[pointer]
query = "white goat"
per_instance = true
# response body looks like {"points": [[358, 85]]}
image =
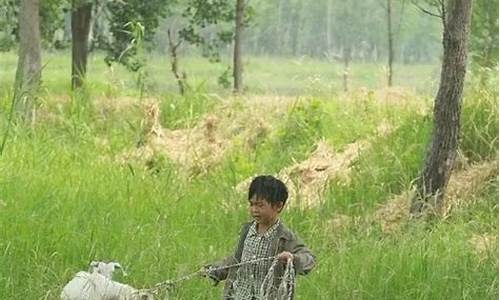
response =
{"points": [[105, 269], [98, 285]]}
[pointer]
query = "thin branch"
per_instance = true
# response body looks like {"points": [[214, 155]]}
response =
{"points": [[426, 11], [171, 42], [443, 12], [398, 31]]}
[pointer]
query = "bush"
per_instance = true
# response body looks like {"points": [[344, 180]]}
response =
{"points": [[479, 136]]}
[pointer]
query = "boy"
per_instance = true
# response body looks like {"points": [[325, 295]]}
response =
{"points": [[265, 236]]}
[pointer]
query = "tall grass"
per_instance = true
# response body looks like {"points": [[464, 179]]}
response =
{"points": [[64, 201]]}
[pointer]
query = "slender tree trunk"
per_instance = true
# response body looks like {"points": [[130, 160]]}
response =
{"points": [[347, 58], [29, 64], [94, 25], [80, 27], [329, 25], [390, 40], [237, 62], [295, 28], [174, 61], [441, 154], [278, 27]]}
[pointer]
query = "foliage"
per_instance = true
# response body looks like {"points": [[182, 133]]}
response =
{"points": [[202, 14], [479, 134], [301, 27], [224, 80], [146, 13], [51, 19], [8, 23], [484, 34]]}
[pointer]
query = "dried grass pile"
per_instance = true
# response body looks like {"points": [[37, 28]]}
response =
{"points": [[392, 96], [484, 244], [392, 214], [194, 148], [307, 180], [464, 184], [240, 121]]}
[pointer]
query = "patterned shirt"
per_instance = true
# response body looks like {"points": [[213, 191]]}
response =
{"points": [[250, 277]]}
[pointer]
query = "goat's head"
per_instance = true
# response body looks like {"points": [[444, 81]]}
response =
{"points": [[105, 269]]}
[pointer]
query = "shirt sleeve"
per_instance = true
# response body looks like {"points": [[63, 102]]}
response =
{"points": [[218, 271], [215, 272], [303, 259]]}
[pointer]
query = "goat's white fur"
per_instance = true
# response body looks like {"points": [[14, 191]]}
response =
{"points": [[105, 269], [98, 285]]}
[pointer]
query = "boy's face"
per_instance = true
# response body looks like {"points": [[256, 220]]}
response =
{"points": [[263, 212]]}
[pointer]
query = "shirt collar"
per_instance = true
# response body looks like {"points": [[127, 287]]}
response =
{"points": [[270, 231]]}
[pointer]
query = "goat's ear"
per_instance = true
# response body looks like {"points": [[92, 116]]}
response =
{"points": [[94, 264], [117, 265]]}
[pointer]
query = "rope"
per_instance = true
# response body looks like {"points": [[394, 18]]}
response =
{"points": [[285, 289]]}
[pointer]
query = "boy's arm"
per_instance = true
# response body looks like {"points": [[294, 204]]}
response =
{"points": [[303, 260], [221, 274]]}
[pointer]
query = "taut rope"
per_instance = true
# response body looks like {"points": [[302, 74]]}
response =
{"points": [[285, 289]]}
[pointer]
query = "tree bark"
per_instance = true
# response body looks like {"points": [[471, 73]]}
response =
{"points": [[80, 27], [441, 154], [329, 26], [237, 62], [295, 29], [29, 64], [347, 58], [390, 41], [174, 63]]}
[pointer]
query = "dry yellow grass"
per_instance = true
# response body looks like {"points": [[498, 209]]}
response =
{"points": [[307, 180], [339, 222], [482, 244], [198, 147], [390, 97], [463, 185], [204, 145]]}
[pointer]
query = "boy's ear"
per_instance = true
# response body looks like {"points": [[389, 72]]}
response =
{"points": [[280, 206]]}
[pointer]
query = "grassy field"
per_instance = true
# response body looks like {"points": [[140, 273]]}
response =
{"points": [[263, 75], [65, 200]]}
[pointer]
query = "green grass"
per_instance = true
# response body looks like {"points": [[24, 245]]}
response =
{"points": [[263, 75], [64, 202]]}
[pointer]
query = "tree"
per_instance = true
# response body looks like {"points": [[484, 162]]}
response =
{"points": [[351, 23], [484, 37], [81, 13], [28, 71], [440, 157], [238, 31], [201, 27], [174, 62], [391, 34], [390, 47], [122, 47]]}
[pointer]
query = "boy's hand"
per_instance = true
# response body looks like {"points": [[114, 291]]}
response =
{"points": [[205, 272], [285, 256]]}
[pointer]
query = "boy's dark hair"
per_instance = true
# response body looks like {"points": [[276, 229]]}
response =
{"points": [[268, 188]]}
